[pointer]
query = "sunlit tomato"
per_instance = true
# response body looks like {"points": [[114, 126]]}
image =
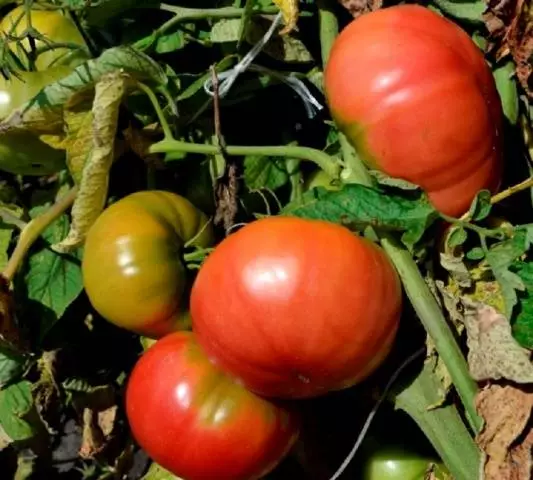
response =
{"points": [[296, 307], [414, 95], [56, 27], [24, 153], [133, 271], [197, 422]]}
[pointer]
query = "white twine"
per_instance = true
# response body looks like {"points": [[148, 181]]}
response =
{"points": [[228, 78]]}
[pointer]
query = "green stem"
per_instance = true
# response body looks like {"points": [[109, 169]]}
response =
{"points": [[158, 110], [417, 290], [324, 161], [184, 14], [33, 230]]}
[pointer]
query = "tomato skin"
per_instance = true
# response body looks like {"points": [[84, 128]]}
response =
{"points": [[132, 269], [393, 462], [197, 422], [295, 307], [414, 95], [53, 25]]}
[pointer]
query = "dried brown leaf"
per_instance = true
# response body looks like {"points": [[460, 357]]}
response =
{"points": [[506, 437], [510, 23], [493, 352], [359, 7]]}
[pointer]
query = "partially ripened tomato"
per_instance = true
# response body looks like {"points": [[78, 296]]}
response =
{"points": [[197, 422], [296, 307], [56, 27], [133, 271], [414, 95]]}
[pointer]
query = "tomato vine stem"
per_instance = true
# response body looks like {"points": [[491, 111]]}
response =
{"points": [[327, 163], [33, 230]]}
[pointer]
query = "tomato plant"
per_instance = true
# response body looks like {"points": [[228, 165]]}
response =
{"points": [[413, 93], [55, 27], [296, 307], [197, 422], [132, 267]]}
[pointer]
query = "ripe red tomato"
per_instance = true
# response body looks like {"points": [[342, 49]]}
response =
{"points": [[197, 422], [414, 95], [296, 307]]}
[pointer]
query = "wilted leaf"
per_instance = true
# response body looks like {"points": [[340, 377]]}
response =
{"points": [[358, 7], [493, 352], [53, 281], [285, 48], [457, 269], [506, 437], [98, 408], [46, 392], [360, 207], [511, 26], [43, 114], [92, 194], [290, 11]]}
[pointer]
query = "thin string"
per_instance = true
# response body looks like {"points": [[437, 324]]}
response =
{"points": [[372, 414], [227, 79]]}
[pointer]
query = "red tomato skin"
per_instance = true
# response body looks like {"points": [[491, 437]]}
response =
{"points": [[296, 307], [414, 95], [198, 423]]}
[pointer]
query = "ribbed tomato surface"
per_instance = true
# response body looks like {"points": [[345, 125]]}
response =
{"points": [[414, 95]]}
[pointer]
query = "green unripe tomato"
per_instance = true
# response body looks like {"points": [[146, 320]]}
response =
{"points": [[133, 271], [397, 463], [55, 27]]}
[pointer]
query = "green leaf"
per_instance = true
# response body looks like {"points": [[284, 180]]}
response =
{"points": [[500, 258], [265, 172], [171, 43], [523, 323], [361, 206], [507, 88], [467, 11], [480, 207], [156, 472], [12, 365], [457, 237], [476, 253], [54, 281], [226, 30], [16, 412]]}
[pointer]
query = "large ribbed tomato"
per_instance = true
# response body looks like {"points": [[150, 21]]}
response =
{"points": [[197, 422], [133, 271], [414, 95], [296, 307]]}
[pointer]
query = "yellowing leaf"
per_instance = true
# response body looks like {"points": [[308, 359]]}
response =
{"points": [[93, 184], [290, 12], [493, 352]]}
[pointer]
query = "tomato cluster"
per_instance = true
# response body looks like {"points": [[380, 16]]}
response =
{"points": [[287, 308]]}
